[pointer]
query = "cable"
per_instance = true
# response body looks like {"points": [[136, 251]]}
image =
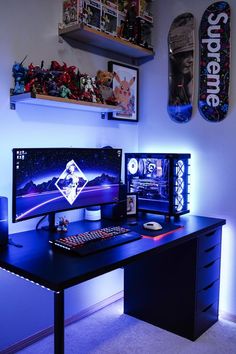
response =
{"points": [[37, 226], [11, 242]]}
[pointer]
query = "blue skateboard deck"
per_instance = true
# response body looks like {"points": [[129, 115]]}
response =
{"points": [[181, 66], [214, 37]]}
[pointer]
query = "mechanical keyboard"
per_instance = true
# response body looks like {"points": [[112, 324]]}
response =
{"points": [[97, 240]]}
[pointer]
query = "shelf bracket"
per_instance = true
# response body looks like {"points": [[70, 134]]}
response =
{"points": [[13, 105]]}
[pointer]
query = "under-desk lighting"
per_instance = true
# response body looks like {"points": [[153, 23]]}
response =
{"points": [[20, 276], [227, 266]]}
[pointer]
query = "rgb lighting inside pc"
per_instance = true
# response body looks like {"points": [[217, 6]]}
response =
{"points": [[160, 180]]}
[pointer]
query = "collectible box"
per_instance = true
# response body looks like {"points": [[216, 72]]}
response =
{"points": [[122, 5], [128, 19], [92, 13], [144, 38], [120, 24], [109, 20], [144, 10], [111, 3], [71, 10]]}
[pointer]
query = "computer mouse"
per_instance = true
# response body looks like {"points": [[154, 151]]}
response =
{"points": [[152, 225]]}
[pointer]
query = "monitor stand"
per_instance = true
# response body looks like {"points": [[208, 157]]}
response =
{"points": [[51, 222], [51, 227]]}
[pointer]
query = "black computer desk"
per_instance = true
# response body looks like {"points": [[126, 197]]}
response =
{"points": [[171, 281]]}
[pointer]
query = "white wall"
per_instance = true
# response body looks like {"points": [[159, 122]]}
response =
{"points": [[29, 27], [212, 145]]}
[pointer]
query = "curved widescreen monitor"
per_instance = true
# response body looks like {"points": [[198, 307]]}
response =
{"points": [[50, 180]]}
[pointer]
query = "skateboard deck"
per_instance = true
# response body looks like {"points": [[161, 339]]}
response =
{"points": [[214, 40], [181, 66]]}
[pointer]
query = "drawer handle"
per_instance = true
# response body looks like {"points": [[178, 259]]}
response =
{"points": [[210, 234], [207, 308], [209, 286], [210, 249], [209, 264]]}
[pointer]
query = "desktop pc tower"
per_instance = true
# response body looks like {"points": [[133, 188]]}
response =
{"points": [[3, 221], [161, 181]]}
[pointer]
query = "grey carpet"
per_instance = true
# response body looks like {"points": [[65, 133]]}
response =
{"points": [[109, 331]]}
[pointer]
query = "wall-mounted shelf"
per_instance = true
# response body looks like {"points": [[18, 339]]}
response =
{"points": [[59, 102], [95, 39]]}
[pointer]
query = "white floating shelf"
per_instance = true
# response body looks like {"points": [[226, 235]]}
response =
{"points": [[59, 102]]}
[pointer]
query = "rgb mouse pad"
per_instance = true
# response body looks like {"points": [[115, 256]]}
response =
{"points": [[167, 228]]}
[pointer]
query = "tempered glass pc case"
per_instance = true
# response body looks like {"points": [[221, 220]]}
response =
{"points": [[160, 180]]}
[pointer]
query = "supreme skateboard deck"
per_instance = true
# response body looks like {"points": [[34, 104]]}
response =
{"points": [[181, 66], [214, 65]]}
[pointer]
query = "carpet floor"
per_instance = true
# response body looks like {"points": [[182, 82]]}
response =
{"points": [[109, 331]]}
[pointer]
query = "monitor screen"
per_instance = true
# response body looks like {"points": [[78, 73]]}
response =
{"points": [[160, 181], [50, 180]]}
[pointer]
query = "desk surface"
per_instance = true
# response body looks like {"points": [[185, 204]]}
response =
{"points": [[57, 269]]}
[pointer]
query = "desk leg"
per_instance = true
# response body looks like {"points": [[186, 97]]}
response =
{"points": [[59, 322]]}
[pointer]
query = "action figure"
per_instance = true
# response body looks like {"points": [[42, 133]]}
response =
{"points": [[63, 224], [19, 74]]}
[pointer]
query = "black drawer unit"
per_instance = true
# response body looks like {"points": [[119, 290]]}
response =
{"points": [[183, 286], [207, 280], [208, 296], [206, 318], [209, 255], [207, 274], [208, 240]]}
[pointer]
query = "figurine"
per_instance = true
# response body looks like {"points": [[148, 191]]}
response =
{"points": [[19, 74], [130, 25], [52, 88], [88, 88], [63, 224], [104, 81], [144, 34], [64, 81], [35, 79], [64, 91]]}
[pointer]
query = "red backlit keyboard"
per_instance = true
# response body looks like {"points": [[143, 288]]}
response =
{"points": [[97, 240]]}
